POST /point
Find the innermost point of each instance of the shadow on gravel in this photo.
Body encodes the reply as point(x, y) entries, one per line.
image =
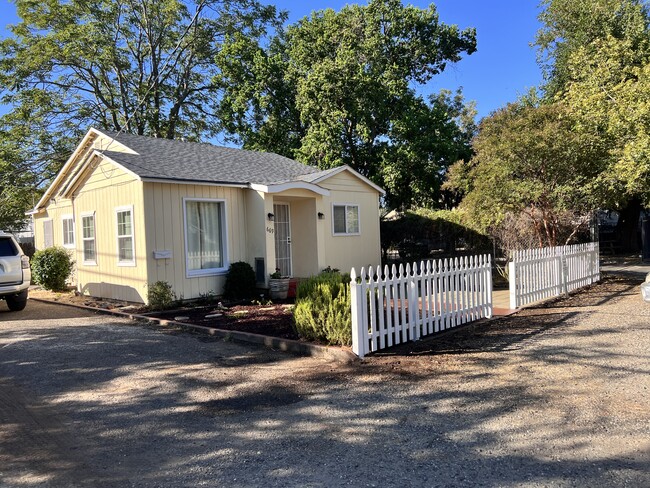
point(511, 332)
point(149, 409)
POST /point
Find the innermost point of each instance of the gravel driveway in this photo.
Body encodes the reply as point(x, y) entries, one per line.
point(554, 396)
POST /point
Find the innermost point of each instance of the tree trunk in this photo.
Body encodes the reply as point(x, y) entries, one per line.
point(627, 228)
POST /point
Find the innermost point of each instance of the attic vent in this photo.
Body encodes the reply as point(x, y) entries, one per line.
point(260, 270)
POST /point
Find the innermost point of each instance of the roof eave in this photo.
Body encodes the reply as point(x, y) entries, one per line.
point(187, 181)
point(290, 185)
point(61, 175)
point(345, 167)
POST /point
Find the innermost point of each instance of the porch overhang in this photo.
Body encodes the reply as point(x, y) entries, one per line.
point(290, 185)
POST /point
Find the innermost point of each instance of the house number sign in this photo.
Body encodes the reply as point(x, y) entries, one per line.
point(270, 230)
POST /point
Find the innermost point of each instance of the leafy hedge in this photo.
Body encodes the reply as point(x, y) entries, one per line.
point(416, 234)
point(322, 311)
point(51, 268)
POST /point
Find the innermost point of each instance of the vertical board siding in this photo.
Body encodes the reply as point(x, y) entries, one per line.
point(396, 305)
point(540, 274)
point(166, 230)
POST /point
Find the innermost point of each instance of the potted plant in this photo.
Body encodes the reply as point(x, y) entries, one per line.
point(278, 285)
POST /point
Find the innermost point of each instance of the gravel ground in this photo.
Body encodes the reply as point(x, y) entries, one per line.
point(553, 396)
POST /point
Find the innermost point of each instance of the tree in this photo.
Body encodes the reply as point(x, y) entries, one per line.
point(570, 26)
point(529, 163)
point(140, 66)
point(599, 68)
point(339, 88)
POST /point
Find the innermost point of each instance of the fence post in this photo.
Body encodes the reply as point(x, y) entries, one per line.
point(512, 281)
point(413, 310)
point(489, 286)
point(359, 329)
point(565, 273)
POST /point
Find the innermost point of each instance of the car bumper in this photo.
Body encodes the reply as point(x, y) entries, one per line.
point(13, 289)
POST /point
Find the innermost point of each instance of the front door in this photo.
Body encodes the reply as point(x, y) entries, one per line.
point(282, 238)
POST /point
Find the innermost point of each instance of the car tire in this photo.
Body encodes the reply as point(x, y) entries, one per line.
point(16, 303)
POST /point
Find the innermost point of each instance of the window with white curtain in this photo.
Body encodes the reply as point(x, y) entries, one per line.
point(345, 219)
point(205, 237)
point(125, 248)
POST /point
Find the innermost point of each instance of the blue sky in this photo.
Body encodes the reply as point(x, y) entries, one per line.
point(502, 68)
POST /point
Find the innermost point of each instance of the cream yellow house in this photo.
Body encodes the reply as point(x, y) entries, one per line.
point(134, 210)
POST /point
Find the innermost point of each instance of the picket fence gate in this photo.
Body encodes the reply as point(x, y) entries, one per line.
point(400, 304)
point(539, 274)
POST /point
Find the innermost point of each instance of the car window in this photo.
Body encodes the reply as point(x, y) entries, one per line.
point(7, 247)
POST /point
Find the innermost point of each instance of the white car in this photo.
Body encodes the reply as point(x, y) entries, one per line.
point(15, 274)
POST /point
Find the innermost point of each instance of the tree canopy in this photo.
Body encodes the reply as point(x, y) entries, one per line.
point(529, 161)
point(583, 145)
point(140, 66)
point(600, 53)
point(340, 88)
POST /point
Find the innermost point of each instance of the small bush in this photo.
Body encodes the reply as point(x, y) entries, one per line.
point(322, 310)
point(161, 296)
point(240, 281)
point(51, 268)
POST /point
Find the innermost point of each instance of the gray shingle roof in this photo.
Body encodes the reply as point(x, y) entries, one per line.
point(202, 162)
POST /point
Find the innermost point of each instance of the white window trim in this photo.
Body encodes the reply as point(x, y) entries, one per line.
point(125, 208)
point(346, 205)
point(81, 224)
point(74, 231)
point(194, 273)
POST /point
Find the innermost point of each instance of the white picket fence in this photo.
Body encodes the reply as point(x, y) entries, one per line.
point(403, 304)
point(539, 274)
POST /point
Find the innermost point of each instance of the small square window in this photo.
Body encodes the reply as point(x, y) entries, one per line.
point(345, 219)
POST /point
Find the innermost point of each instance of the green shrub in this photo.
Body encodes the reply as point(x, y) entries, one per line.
point(322, 310)
point(51, 268)
point(240, 281)
point(161, 296)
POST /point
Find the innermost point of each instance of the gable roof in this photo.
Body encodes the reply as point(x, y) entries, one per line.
point(191, 161)
point(173, 160)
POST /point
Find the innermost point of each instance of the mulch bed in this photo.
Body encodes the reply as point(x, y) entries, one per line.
point(272, 320)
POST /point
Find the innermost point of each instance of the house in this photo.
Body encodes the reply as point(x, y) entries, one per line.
point(134, 210)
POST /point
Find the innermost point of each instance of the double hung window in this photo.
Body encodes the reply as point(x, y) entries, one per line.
point(125, 248)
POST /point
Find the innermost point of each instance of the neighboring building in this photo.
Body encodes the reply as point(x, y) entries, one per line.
point(135, 210)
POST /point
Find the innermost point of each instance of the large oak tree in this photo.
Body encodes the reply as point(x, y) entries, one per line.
point(141, 66)
point(346, 88)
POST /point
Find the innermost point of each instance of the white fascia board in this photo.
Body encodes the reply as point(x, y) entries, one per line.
point(291, 185)
point(345, 167)
point(95, 154)
point(62, 174)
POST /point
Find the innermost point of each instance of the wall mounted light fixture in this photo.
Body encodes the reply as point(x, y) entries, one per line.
point(270, 216)
point(321, 215)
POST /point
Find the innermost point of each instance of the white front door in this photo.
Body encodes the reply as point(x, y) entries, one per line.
point(282, 238)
